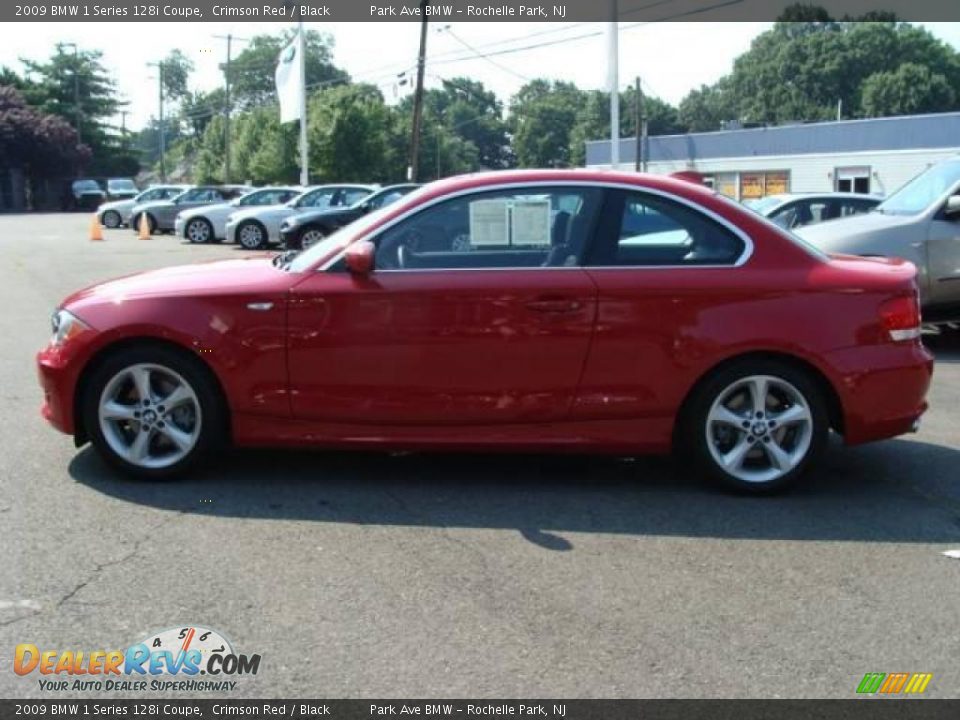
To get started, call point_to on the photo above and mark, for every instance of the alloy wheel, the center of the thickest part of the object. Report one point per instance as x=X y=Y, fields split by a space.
x=149 y=416
x=310 y=237
x=759 y=428
x=251 y=236
x=198 y=231
x=111 y=219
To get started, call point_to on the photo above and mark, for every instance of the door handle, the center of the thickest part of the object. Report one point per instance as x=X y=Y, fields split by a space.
x=554 y=305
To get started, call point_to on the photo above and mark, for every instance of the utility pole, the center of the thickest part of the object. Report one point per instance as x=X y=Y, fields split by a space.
x=418 y=95
x=163 y=161
x=76 y=87
x=227 y=110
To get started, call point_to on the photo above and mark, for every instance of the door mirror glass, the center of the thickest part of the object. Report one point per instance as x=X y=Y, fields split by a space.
x=359 y=257
x=952 y=208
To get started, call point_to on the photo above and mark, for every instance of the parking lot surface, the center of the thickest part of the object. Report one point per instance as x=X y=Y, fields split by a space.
x=370 y=575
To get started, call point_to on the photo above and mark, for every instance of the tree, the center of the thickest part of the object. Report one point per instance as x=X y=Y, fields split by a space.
x=910 y=89
x=252 y=71
x=542 y=116
x=176 y=75
x=802 y=68
x=348 y=133
x=264 y=150
x=52 y=91
x=42 y=145
x=593 y=120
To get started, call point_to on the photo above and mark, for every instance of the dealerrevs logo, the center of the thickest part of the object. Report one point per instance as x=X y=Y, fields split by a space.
x=173 y=659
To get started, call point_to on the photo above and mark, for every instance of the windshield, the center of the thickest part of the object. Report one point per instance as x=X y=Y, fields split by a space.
x=121 y=184
x=924 y=190
x=764 y=205
x=342 y=237
x=85 y=185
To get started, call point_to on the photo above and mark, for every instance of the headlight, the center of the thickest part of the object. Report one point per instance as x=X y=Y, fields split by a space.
x=66 y=326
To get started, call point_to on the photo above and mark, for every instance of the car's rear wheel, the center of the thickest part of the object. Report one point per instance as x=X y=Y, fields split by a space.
x=757 y=425
x=199 y=230
x=311 y=236
x=151 y=412
x=252 y=235
x=111 y=219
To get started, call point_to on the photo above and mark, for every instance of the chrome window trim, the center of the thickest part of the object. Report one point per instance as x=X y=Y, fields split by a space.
x=740 y=261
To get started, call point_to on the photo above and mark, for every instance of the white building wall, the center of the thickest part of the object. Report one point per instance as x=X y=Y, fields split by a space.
x=815 y=173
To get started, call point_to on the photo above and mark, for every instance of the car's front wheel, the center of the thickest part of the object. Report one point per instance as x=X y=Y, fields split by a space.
x=756 y=426
x=311 y=236
x=252 y=235
x=111 y=219
x=199 y=230
x=152 y=412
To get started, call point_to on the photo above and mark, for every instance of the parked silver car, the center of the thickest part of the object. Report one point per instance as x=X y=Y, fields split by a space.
x=919 y=222
x=117 y=213
x=162 y=215
x=796 y=210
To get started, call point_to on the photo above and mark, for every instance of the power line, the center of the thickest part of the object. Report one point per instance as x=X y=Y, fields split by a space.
x=482 y=56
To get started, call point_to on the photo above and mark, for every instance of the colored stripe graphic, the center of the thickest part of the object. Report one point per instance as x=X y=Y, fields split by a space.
x=894 y=683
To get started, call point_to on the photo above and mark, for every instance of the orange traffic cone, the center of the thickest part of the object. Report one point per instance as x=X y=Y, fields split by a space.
x=144 y=228
x=96 y=232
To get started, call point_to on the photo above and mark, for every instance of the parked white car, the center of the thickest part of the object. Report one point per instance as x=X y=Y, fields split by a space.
x=117 y=213
x=209 y=223
x=256 y=228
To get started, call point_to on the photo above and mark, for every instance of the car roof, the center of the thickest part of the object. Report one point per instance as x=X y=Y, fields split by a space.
x=826 y=195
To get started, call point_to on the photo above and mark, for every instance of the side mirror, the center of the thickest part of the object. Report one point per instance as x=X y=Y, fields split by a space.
x=952 y=208
x=359 y=257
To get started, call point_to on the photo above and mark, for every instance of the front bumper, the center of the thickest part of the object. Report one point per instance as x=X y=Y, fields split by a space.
x=58 y=380
x=289 y=237
x=178 y=226
x=888 y=397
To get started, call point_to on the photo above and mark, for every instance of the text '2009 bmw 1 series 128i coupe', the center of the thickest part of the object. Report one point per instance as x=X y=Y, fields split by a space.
x=522 y=310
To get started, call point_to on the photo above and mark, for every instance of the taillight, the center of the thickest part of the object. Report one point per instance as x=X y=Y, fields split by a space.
x=900 y=317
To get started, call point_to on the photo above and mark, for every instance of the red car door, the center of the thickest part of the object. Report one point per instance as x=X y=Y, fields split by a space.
x=476 y=313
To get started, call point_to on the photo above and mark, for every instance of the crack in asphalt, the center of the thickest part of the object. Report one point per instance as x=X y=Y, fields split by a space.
x=98 y=568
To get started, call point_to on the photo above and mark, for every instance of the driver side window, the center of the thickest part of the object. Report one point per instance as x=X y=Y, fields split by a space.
x=515 y=228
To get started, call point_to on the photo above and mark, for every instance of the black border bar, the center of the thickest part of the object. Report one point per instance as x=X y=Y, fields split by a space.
x=644 y=11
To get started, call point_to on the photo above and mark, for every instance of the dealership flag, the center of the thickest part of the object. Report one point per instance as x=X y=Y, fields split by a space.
x=289 y=77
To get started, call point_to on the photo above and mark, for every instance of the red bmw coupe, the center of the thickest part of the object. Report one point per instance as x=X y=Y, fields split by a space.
x=530 y=310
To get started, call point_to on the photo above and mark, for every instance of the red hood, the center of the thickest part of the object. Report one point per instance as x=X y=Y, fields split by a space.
x=246 y=275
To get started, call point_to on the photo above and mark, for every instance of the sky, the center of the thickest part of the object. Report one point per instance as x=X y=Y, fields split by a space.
x=671 y=58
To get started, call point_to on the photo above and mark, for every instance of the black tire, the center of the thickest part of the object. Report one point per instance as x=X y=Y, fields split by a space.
x=199 y=223
x=111 y=219
x=262 y=240
x=212 y=423
x=697 y=434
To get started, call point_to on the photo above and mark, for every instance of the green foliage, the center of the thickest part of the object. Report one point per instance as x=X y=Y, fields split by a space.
x=910 y=89
x=54 y=89
x=252 y=71
x=176 y=73
x=264 y=151
x=800 y=70
x=542 y=116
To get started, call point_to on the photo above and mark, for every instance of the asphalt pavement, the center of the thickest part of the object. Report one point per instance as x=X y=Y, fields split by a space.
x=371 y=575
